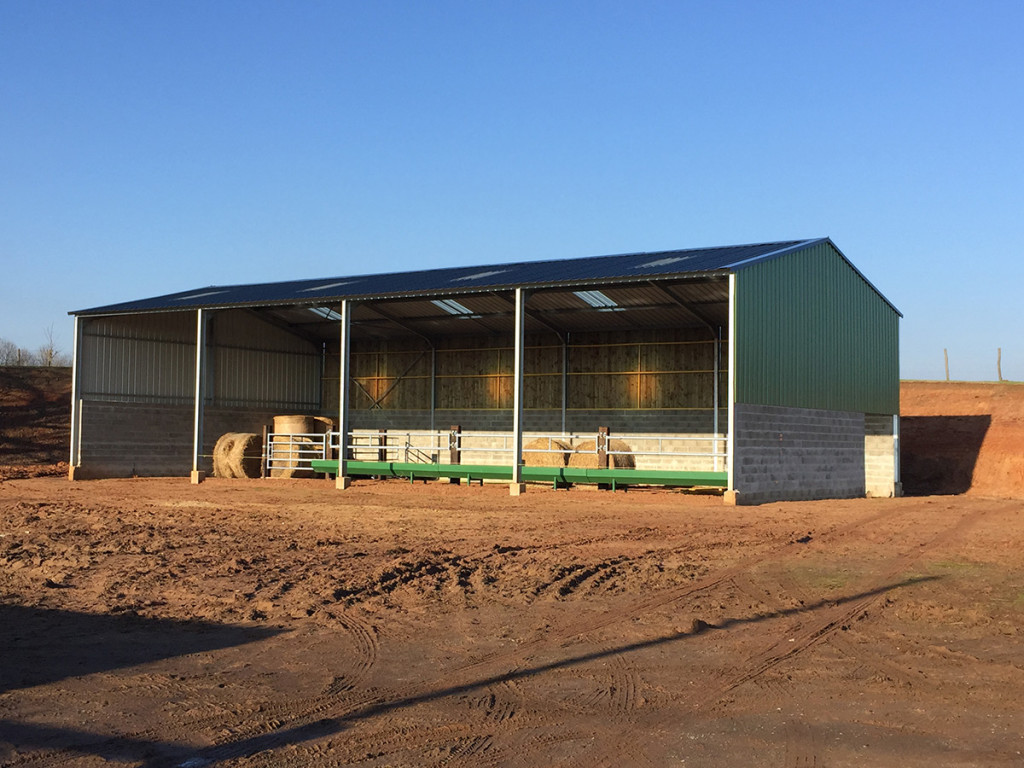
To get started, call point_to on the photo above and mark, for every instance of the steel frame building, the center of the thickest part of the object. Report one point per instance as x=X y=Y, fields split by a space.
x=776 y=362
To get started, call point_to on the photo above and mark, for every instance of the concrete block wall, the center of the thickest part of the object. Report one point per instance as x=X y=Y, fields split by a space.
x=128 y=439
x=640 y=429
x=786 y=453
x=495 y=450
x=487 y=436
x=154 y=440
x=880 y=460
x=150 y=440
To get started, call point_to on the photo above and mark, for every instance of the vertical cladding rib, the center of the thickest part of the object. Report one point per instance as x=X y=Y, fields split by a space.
x=816 y=335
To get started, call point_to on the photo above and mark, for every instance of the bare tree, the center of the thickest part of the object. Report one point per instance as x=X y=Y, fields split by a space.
x=12 y=354
x=48 y=351
x=24 y=357
x=8 y=352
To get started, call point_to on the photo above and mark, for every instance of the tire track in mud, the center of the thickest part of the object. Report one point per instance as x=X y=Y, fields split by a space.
x=569 y=579
x=366 y=651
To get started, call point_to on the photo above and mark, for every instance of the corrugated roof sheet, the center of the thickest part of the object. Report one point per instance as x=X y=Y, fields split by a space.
x=464 y=280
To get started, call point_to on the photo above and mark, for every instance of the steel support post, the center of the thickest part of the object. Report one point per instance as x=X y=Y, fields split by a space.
x=202 y=318
x=518 y=486
x=730 y=438
x=75 y=459
x=718 y=365
x=342 y=480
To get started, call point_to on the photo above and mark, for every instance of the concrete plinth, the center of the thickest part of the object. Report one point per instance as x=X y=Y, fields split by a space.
x=516 y=489
x=731 y=498
x=341 y=483
x=74 y=473
x=197 y=476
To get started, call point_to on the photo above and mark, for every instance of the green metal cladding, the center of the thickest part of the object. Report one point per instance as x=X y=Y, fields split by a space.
x=813 y=333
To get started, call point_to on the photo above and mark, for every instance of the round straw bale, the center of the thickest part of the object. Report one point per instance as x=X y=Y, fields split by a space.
x=221 y=451
x=288 y=457
x=294 y=425
x=546 y=459
x=244 y=456
x=585 y=455
x=237 y=454
x=324 y=424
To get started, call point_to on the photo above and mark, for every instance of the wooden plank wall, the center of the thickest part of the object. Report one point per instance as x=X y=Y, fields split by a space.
x=613 y=370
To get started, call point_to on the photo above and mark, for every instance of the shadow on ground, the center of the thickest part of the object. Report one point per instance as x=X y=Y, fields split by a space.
x=938 y=454
x=43 y=645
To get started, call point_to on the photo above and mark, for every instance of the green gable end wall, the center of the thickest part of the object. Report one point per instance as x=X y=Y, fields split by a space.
x=811 y=333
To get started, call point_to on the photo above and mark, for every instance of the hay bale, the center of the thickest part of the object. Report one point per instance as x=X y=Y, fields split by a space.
x=237 y=454
x=546 y=459
x=244 y=456
x=286 y=457
x=295 y=425
x=324 y=424
x=221 y=452
x=584 y=455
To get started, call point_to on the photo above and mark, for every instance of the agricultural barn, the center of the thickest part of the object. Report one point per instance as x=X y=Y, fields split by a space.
x=769 y=371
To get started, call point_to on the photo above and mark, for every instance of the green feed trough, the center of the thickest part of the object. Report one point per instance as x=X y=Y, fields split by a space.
x=553 y=475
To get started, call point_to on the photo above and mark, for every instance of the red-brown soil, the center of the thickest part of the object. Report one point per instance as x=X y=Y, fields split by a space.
x=154 y=623
x=284 y=623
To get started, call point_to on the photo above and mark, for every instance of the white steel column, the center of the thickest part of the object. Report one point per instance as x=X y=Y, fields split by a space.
x=518 y=486
x=342 y=480
x=718 y=365
x=730 y=438
x=75 y=459
x=200 y=401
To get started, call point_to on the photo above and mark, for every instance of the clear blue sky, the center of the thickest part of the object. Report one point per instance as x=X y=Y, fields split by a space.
x=149 y=147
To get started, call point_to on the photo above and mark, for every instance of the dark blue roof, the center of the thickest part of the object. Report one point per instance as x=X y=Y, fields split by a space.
x=462 y=280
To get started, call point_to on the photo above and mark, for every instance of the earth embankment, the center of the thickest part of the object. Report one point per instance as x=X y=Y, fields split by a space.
x=960 y=437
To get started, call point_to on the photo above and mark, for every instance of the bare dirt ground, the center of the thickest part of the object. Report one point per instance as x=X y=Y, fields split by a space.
x=153 y=623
